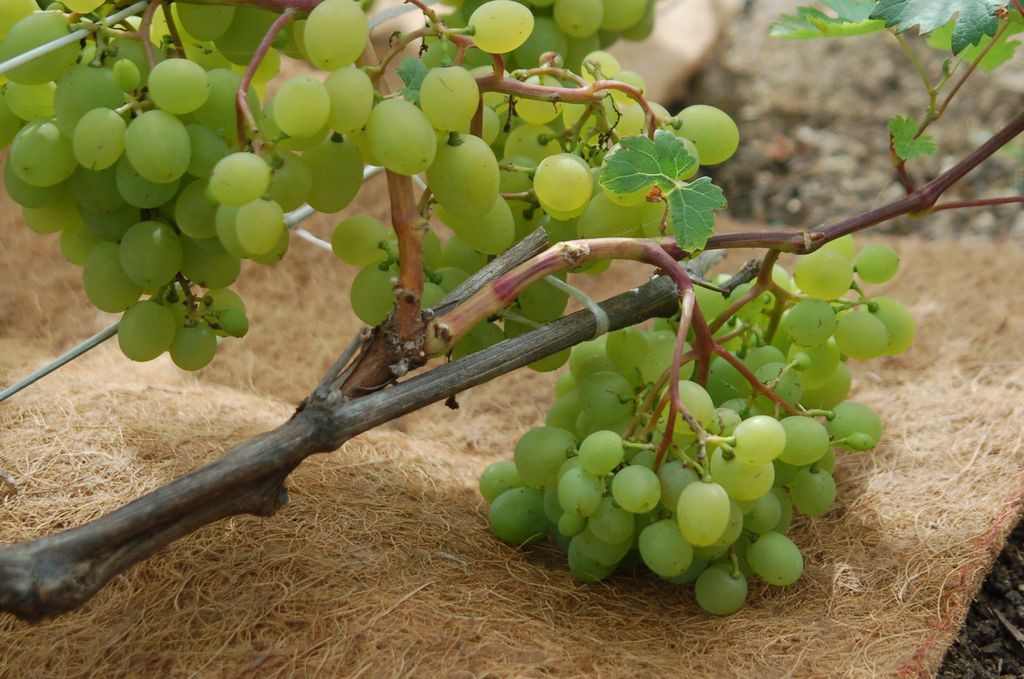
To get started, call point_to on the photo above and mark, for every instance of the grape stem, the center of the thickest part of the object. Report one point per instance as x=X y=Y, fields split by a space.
x=979 y=202
x=409 y=226
x=243 y=111
x=145 y=28
x=754 y=382
x=172 y=29
x=397 y=47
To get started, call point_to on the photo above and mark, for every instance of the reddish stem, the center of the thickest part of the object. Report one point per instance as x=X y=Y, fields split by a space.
x=408 y=225
x=901 y=166
x=146 y=28
x=980 y=202
x=172 y=29
x=244 y=112
x=752 y=378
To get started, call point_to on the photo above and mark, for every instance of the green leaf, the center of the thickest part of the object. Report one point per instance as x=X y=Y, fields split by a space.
x=639 y=163
x=412 y=72
x=1001 y=52
x=852 y=17
x=974 y=18
x=903 y=141
x=692 y=209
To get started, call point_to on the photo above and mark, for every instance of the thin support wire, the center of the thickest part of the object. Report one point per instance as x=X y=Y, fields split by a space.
x=72 y=37
x=601 y=320
x=89 y=344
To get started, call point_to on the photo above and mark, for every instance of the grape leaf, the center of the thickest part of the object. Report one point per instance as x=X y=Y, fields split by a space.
x=903 y=141
x=691 y=208
x=852 y=18
x=1001 y=52
x=974 y=18
x=412 y=72
x=639 y=163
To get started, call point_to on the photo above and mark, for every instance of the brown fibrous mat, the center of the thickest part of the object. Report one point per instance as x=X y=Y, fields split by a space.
x=382 y=565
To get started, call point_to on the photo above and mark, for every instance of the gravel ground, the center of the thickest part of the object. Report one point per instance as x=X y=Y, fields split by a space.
x=813 y=116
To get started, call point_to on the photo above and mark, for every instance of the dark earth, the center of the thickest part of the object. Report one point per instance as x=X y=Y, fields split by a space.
x=813 y=115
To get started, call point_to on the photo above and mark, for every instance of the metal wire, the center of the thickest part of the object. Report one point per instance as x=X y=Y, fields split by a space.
x=65 y=358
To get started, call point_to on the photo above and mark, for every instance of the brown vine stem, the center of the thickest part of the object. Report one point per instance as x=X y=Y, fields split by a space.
x=979 y=202
x=172 y=29
x=243 y=110
x=145 y=28
x=409 y=226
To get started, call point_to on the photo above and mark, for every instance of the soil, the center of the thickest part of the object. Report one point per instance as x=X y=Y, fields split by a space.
x=813 y=115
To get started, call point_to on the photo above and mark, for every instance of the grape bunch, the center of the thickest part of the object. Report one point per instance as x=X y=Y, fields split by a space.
x=711 y=502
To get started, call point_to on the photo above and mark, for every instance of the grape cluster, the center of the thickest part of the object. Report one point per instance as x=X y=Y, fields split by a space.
x=716 y=509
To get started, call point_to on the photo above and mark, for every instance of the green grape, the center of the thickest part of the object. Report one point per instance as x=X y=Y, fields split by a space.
x=158 y=147
x=455 y=253
x=703 y=513
x=711 y=130
x=700 y=406
x=205 y=22
x=658 y=360
x=81 y=90
x=542 y=302
x=855 y=418
x=733 y=531
x=877 y=263
x=759 y=440
x=539 y=454
x=151 y=254
x=207 y=150
x=564 y=411
x=13 y=11
x=591 y=560
x=335 y=34
x=570 y=525
x=497 y=478
x=111 y=226
x=806 y=440
x=897 y=321
x=644 y=458
x=451 y=277
x=33 y=31
x=481 y=336
x=538 y=112
x=535 y=142
x=636 y=489
x=449 y=97
x=621 y=14
x=601 y=452
x=674 y=477
x=351 y=95
x=719 y=591
x=579 y=492
x=401 y=137
x=259 y=225
x=10 y=123
x=606 y=397
x=52 y=218
x=824 y=361
x=302 y=106
x=751 y=309
x=788 y=386
x=219 y=111
x=492 y=233
x=239 y=178
x=146 y=331
x=545 y=37
x=501 y=26
x=565 y=384
x=763 y=514
x=372 y=295
x=98 y=140
x=563 y=182
x=337 y=175
x=41 y=156
x=825 y=274
x=193 y=348
x=357 y=240
x=725 y=382
x=30 y=102
x=76 y=241
x=775 y=559
x=813 y=491
x=600 y=65
x=862 y=335
x=611 y=524
x=552 y=509
x=664 y=549
x=127 y=74
x=107 y=285
x=291 y=181
x=464 y=176
x=179 y=86
x=139 y=191
x=206 y=268
x=241 y=40
x=579 y=18
x=809 y=322
x=742 y=481
x=831 y=393
x=96 y=191
x=626 y=348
